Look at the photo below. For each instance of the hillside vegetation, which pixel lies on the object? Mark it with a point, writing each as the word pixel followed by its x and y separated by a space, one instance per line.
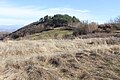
pixel 77 59
pixel 51 34
pixel 2 34
pixel 69 23
pixel 44 24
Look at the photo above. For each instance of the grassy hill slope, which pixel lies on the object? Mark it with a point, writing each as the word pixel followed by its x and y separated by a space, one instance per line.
pixel 51 34
pixel 45 23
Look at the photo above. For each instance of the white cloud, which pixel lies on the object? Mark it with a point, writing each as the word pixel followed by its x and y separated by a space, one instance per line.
pixel 25 15
pixel 15 21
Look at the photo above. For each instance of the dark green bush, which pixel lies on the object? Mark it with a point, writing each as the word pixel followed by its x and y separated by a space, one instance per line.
pixel 59 20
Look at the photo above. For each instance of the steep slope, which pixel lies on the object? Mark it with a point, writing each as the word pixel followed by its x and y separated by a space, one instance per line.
pixel 32 28
pixel 45 23
pixel 40 28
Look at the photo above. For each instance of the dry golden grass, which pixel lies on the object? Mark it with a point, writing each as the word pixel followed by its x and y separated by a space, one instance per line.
pixel 78 59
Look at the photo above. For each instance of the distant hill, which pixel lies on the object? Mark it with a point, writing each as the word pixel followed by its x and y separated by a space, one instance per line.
pixel 9 28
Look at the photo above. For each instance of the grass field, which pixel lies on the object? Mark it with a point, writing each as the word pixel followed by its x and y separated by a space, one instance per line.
pixel 51 59
pixel 51 34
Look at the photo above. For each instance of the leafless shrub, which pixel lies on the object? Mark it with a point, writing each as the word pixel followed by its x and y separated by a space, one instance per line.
pixel 85 28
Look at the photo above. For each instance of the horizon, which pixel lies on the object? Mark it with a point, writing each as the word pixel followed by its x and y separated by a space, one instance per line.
pixel 25 12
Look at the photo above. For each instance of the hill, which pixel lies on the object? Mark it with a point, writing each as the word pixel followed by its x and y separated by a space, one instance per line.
pixel 45 24
pixel 46 28
pixel 9 28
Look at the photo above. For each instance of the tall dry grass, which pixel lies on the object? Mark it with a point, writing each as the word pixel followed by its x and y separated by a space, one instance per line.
pixel 60 59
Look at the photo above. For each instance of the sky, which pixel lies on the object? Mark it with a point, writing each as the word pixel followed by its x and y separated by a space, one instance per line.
pixel 23 12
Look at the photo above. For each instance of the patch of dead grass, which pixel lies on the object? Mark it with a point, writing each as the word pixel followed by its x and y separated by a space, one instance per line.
pixel 78 59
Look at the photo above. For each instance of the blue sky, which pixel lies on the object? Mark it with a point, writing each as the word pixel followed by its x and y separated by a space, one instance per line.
pixel 22 12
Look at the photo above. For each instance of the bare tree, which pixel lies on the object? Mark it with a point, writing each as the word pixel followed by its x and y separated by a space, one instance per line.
pixel 117 22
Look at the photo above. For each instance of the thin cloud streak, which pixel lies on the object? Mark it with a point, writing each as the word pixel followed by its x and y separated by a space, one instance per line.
pixel 24 15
